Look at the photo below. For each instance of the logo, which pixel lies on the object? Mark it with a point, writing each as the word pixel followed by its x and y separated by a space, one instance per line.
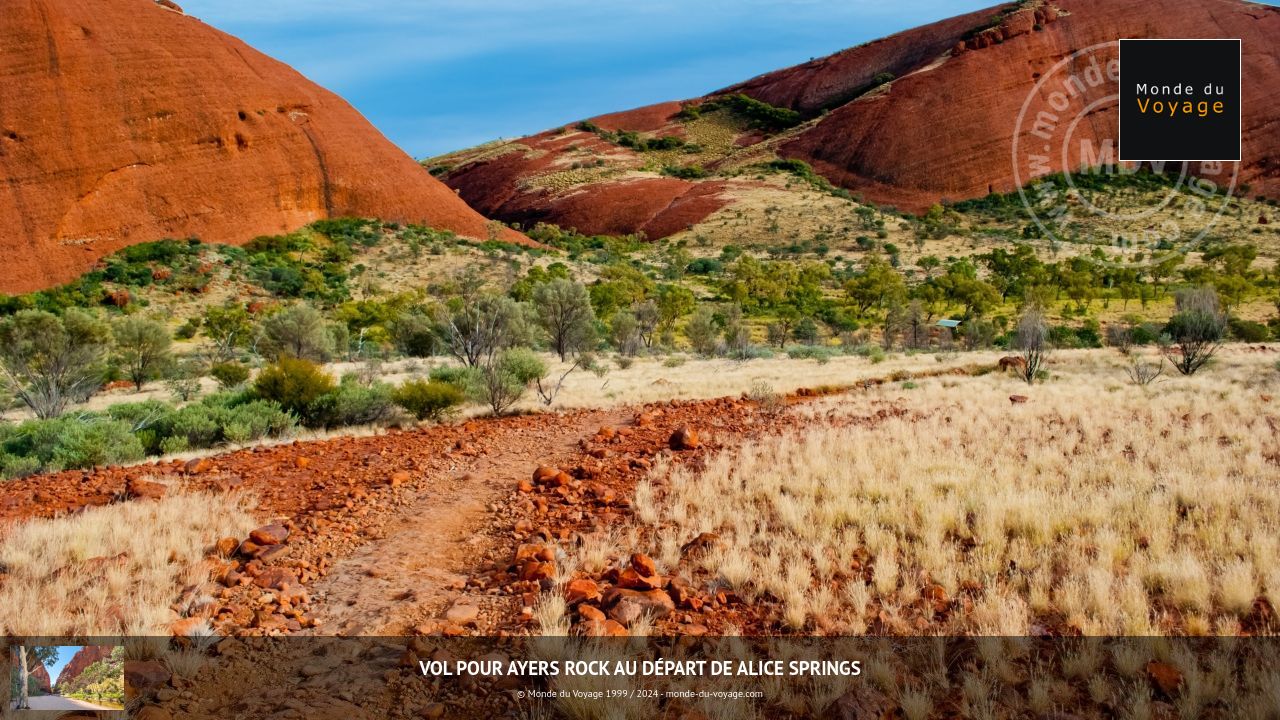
pixel 1078 192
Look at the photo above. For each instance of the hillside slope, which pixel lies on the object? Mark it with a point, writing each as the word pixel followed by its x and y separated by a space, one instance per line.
pixel 926 115
pixel 123 121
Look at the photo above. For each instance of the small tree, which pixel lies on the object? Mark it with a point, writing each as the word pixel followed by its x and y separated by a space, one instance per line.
pixel 1195 331
pixel 28 656
pixel 48 362
pixel 298 331
pixel 624 334
pixel 480 329
pixel 142 348
pixel 428 399
pixel 294 383
pixel 504 381
pixel 1033 340
pixel 228 329
pixel 564 313
pixel 548 390
pixel 702 332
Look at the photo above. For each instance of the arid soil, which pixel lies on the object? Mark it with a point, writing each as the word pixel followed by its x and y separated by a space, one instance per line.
pixel 388 534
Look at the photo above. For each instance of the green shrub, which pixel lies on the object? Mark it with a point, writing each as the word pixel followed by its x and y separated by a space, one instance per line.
pixel 229 374
pixel 685 172
pixel 812 352
pixel 1249 331
pixel 501 384
pixel 294 384
pixel 463 378
pixel 428 399
pixel 67 443
pixel 352 403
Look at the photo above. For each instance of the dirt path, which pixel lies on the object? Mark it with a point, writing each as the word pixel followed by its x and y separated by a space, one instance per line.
pixel 418 566
pixel 57 702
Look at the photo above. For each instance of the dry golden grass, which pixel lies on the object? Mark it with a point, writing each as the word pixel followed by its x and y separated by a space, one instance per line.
pixel 1098 505
pixel 85 573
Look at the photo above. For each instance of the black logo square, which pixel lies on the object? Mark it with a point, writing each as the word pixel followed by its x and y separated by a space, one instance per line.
pixel 1179 100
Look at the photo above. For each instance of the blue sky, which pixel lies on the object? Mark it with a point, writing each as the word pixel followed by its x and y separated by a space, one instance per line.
pixel 439 75
pixel 65 653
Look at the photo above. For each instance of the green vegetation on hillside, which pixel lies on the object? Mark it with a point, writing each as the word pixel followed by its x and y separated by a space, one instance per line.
pixel 260 322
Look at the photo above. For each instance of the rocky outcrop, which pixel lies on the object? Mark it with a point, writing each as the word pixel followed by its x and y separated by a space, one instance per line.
pixel 41 674
pixel 84 657
pixel 922 116
pixel 124 121
pixel 948 131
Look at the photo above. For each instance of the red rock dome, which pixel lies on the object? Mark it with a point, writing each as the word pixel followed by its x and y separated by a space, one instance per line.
pixel 124 121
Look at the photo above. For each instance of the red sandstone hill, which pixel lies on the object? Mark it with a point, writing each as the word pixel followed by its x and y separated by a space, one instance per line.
pixel 41 674
pixel 123 121
pixel 83 658
pixel 943 128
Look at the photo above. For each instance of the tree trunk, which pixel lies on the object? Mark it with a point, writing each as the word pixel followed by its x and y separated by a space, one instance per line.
pixel 25 673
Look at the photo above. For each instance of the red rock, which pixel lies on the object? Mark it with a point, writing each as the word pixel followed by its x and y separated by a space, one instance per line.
pixel 226 546
pixel 654 602
pixel 545 474
pixel 590 613
pixel 272 534
pixel 603 628
pixel 534 570
pixel 531 551
pixel 152 712
pixel 1018 399
pixel 276 578
pixel 684 438
pixel 302 463
pixel 41 675
pixel 644 565
pixel 196 466
pixel 400 478
pixel 982 79
pixel 105 145
pixel 1165 676
pixel 703 542
pixel 633 580
pixel 140 489
pixel 186 627
pixel 141 677
pixel 581 590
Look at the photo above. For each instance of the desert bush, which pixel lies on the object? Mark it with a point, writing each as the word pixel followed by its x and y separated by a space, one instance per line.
pixel 1144 373
pixel 353 403
pixel 142 348
pixel 414 334
pixel 70 442
pixel 428 399
pixel 463 378
pixel 564 313
pixel 183 389
pixel 1249 331
pixel 295 384
pixel 1032 339
pixel 482 328
pixel 298 331
pixel 47 361
pixel 702 331
pixel 812 352
pixel 1195 331
pixel 216 419
pixel 229 374
pixel 504 381
pixel 1120 337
